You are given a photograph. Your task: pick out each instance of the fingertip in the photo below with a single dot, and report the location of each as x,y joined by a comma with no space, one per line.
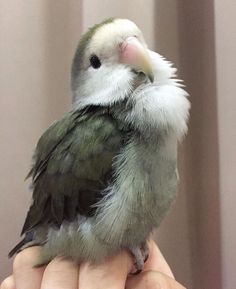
8,283
25,274
60,273
112,273
26,257
125,260
156,261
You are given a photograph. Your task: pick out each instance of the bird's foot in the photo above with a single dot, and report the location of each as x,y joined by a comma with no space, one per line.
145,251
140,254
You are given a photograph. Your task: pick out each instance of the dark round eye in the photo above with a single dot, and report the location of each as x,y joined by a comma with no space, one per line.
95,61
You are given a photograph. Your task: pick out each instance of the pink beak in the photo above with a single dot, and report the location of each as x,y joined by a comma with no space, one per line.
136,55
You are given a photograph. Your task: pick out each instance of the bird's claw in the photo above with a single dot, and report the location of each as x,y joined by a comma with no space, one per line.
140,254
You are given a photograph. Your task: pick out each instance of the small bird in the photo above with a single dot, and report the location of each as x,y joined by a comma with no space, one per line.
105,174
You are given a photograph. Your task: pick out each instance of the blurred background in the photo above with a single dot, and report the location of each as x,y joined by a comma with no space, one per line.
37,43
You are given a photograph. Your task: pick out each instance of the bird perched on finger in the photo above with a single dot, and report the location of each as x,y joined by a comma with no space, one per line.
105,174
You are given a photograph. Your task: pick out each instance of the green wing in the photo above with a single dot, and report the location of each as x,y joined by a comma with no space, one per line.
72,166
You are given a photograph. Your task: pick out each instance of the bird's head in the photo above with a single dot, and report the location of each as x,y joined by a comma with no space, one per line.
111,58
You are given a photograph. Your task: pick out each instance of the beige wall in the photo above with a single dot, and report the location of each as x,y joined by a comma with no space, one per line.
93,13
37,41
225,34
197,57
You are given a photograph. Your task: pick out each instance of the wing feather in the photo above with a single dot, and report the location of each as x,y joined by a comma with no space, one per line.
72,166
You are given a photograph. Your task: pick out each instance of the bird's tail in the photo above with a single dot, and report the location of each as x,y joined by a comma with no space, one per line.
17,248
26,242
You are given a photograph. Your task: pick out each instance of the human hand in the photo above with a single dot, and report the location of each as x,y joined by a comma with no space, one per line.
112,274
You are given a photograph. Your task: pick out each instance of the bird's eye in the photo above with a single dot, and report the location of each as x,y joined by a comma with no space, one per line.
95,61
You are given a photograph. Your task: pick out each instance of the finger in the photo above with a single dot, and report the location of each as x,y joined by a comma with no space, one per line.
111,274
25,275
156,261
61,274
8,283
153,280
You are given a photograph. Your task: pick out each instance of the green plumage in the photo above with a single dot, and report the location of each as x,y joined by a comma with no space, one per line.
72,165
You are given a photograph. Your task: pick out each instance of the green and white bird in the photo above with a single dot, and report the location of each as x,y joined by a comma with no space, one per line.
105,174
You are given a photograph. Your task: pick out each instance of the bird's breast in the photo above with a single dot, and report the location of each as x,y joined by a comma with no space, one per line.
144,188
152,170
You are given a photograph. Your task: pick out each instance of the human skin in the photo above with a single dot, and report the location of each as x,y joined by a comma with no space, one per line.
112,274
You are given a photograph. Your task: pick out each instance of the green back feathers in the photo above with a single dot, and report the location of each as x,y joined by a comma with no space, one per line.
84,43
73,164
